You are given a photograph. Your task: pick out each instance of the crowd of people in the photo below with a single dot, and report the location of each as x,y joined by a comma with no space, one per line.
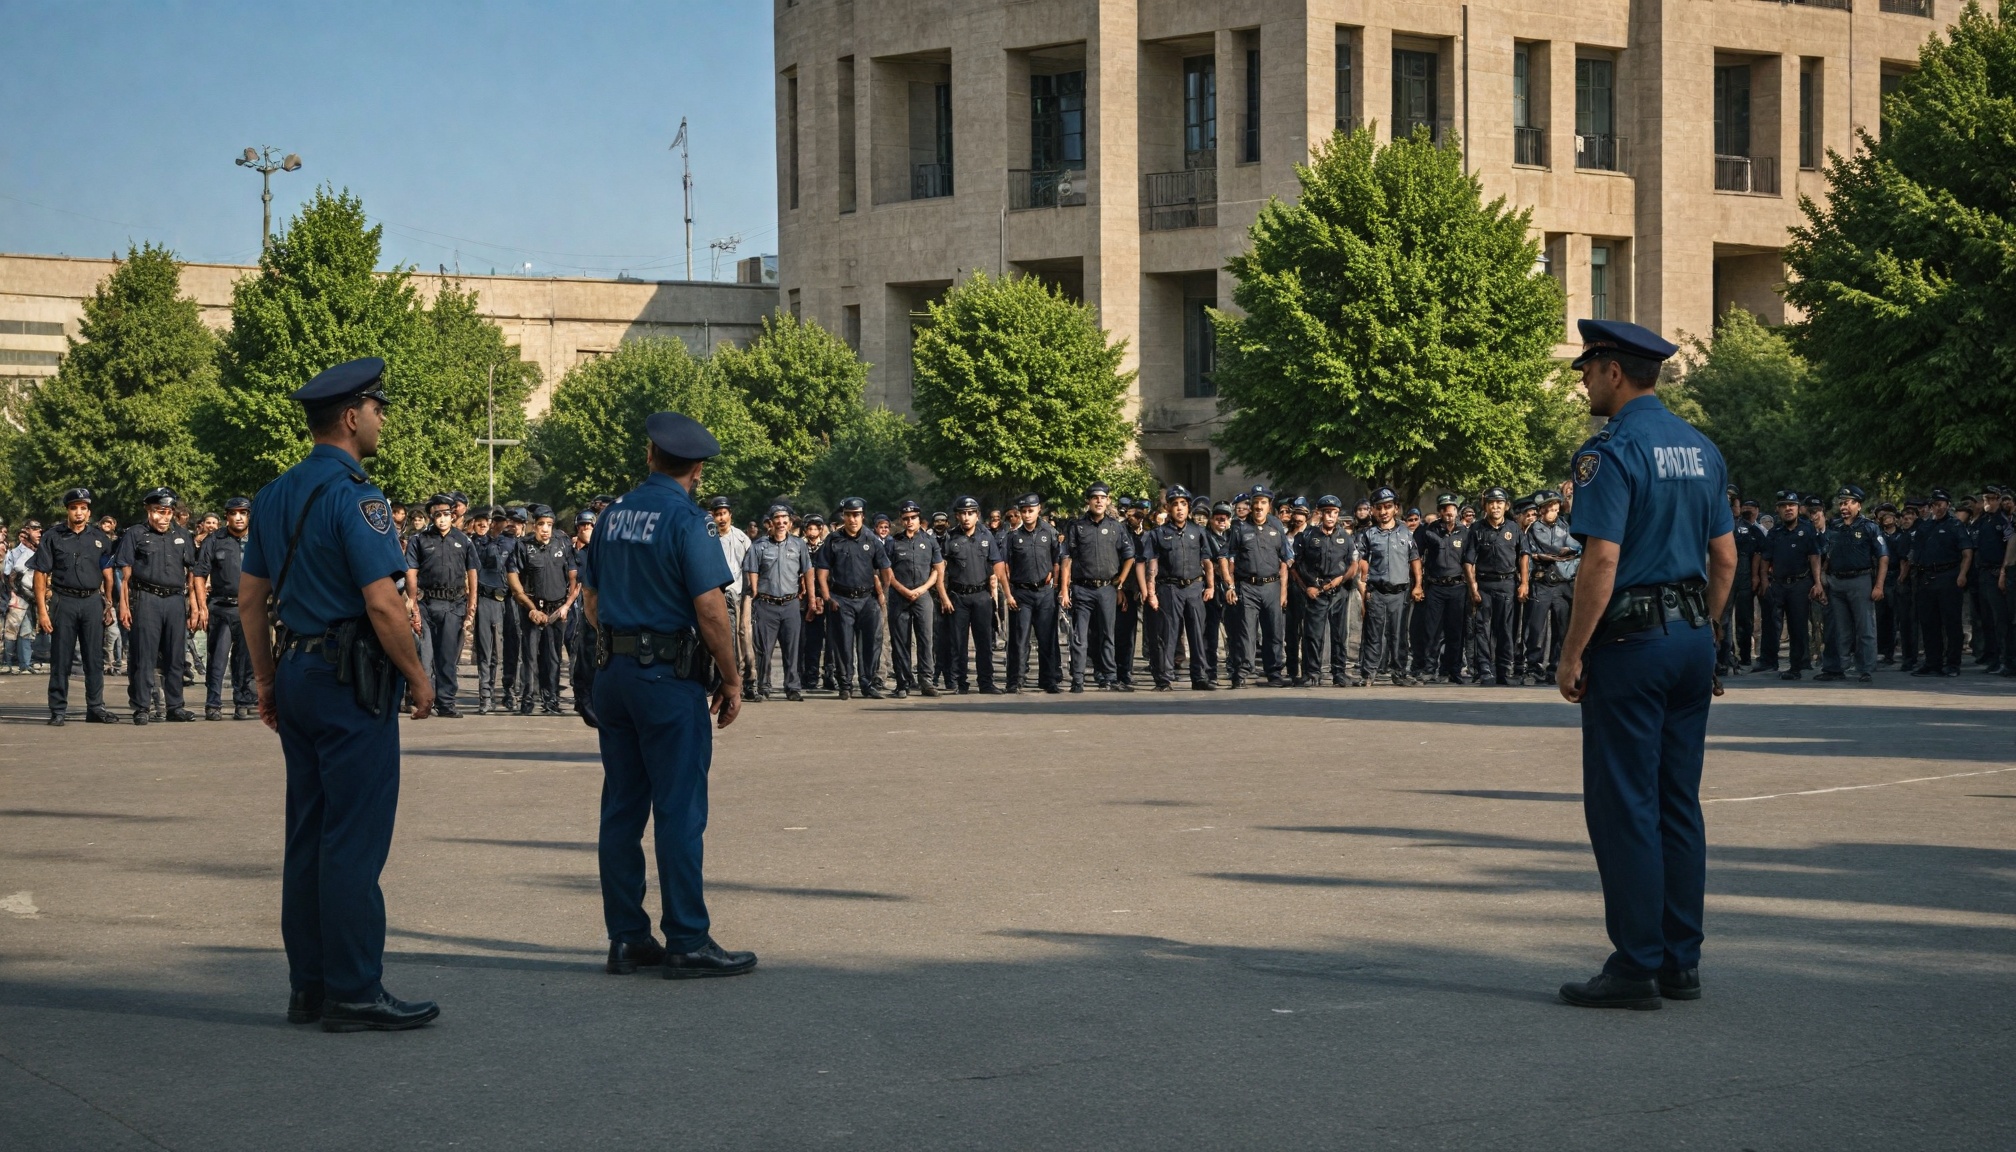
1111,594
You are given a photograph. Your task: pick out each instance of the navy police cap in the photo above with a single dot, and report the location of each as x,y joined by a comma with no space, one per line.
76,496
353,378
965,503
1522,504
1178,492
441,501
237,502
1814,502
1545,498
584,516
906,505
1446,501
1886,506
881,518
1620,337
1788,496
1329,502
1384,496
681,437
1098,490
159,498
1300,502
777,510
1259,490
1491,494
1849,492
518,515
1751,504
1032,500
853,504
815,518
717,502
1940,494
539,512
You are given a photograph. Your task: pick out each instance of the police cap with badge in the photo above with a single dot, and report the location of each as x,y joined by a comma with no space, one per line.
1637,350
76,496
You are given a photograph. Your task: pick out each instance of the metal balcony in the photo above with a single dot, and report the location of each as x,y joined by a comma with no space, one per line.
1046,188
1600,151
1186,199
1529,146
1753,175
930,181
1908,7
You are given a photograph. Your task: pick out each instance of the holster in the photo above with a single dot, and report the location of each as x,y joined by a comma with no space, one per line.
682,651
1634,610
361,662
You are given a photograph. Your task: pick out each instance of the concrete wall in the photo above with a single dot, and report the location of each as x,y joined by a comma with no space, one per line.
556,322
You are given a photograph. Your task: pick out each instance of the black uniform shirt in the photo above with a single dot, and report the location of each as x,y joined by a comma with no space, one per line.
1853,547
492,553
74,560
1258,550
1991,541
1321,557
1033,554
219,561
969,559
1938,542
1097,547
1441,549
443,559
911,558
1749,538
1786,548
542,568
851,561
1492,551
164,559
1179,553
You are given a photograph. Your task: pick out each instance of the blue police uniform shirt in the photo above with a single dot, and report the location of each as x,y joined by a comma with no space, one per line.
653,551
1853,545
492,553
1940,542
1652,484
347,541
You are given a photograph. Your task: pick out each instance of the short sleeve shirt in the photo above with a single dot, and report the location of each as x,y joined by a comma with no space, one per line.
911,558
347,540
1652,484
160,558
777,564
654,551
219,561
851,561
75,560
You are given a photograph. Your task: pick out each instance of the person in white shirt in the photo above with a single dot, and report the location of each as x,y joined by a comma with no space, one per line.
17,636
734,547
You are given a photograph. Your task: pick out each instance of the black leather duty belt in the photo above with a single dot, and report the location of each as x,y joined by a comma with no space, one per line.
766,598
852,593
1108,582
223,601
1029,585
78,593
1934,569
1178,583
493,593
161,590
1444,581
546,605
1483,575
1388,589
1801,578
1849,573
1259,579
966,589
443,593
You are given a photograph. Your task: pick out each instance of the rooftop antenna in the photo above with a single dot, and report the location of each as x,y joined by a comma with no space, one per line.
721,246
686,182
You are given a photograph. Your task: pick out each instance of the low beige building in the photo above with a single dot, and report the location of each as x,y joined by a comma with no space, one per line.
557,322
1121,148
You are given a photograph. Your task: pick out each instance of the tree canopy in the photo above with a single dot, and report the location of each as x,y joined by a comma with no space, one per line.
803,387
1907,271
116,416
1394,329
1752,394
1017,389
870,458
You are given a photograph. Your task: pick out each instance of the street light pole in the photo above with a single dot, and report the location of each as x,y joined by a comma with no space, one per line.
686,182
261,160
491,443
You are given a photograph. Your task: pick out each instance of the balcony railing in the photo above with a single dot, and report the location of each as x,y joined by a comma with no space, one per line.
1045,188
1600,151
1200,158
1837,5
930,181
1440,129
1757,175
1908,7
1249,138
1186,199
1529,146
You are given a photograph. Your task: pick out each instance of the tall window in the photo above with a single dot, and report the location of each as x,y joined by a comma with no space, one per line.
1732,110
1249,135
1807,114
850,326
930,140
1522,86
1887,83
1057,121
791,129
845,148
1595,114
1200,347
1200,112
1414,83
1345,121
1599,282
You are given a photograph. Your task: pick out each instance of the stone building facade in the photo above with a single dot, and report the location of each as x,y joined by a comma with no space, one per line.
1121,148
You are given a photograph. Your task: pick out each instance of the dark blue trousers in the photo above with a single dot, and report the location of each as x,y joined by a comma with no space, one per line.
657,742
1644,727
342,795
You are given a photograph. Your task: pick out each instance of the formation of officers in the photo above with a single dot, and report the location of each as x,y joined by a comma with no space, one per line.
1118,594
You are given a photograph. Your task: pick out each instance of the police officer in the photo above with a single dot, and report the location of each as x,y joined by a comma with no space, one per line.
543,579
1788,576
1388,578
493,595
1940,558
1743,596
1442,543
849,567
1491,568
218,562
778,569
1256,595
1326,560
156,559
1218,532
1549,558
814,653
1993,529
1098,560
73,602
655,576
511,529
321,543
1129,599
1653,518
734,549
441,595
1857,565
581,639
966,597
916,566
1178,580
1031,552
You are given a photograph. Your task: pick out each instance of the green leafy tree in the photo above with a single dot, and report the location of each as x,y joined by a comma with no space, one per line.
1753,395
592,439
1907,272
1017,389
316,301
116,416
1394,328
870,458
802,386
441,409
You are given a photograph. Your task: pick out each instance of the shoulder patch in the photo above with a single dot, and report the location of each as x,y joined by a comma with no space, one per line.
377,514
1585,467
712,529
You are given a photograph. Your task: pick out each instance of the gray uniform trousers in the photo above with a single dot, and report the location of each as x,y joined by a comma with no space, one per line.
489,644
1094,615
1328,615
912,650
228,656
160,629
1385,613
1851,623
443,651
778,625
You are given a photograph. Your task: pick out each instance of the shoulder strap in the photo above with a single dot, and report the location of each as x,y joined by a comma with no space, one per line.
294,542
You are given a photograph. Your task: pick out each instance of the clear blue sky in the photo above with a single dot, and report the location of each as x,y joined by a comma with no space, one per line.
512,132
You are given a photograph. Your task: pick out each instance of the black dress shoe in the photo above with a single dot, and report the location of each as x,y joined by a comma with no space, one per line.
927,690
1829,677
707,960
1123,686
900,694
139,719
447,712
1680,985
990,690
1276,682
213,713
869,692
1054,690
627,958
1606,991
1203,686
56,719
795,697
385,1014
304,1007
1790,675
1164,686
100,716
1077,689
845,694
1864,678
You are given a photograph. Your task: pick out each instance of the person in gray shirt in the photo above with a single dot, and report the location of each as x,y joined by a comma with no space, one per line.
777,573
1549,558
1390,577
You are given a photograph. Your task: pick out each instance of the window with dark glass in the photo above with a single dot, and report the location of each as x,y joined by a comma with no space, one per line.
1807,113
1057,121
1595,114
1249,136
1200,112
1200,347
1732,110
791,129
1345,120
1414,96
1599,282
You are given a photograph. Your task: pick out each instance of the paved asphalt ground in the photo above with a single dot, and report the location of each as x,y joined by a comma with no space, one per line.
1270,919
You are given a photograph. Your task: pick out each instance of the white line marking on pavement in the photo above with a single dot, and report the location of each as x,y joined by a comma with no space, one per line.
21,904
1855,787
